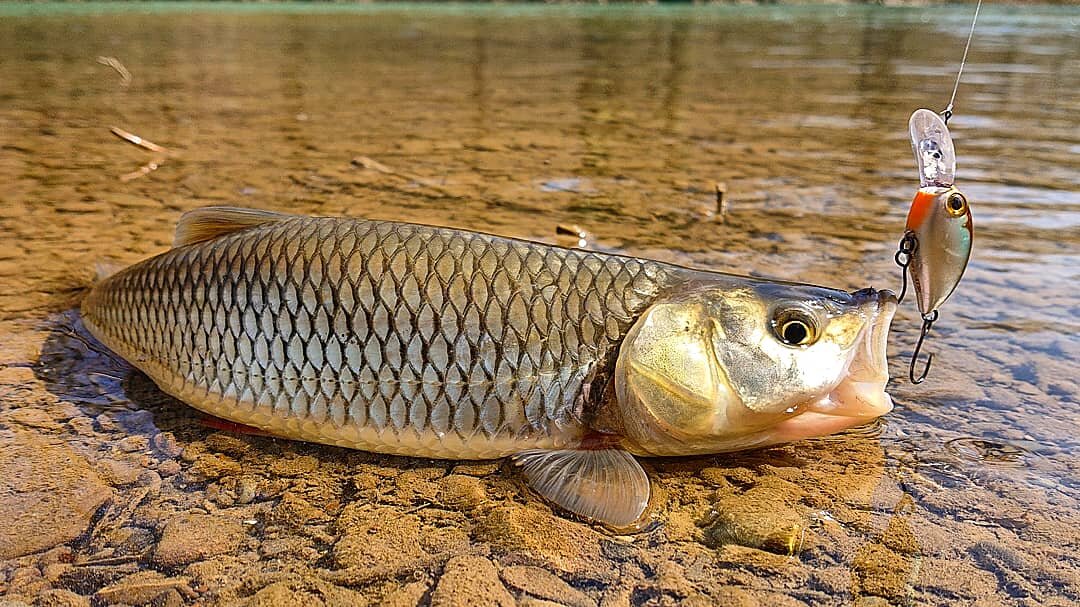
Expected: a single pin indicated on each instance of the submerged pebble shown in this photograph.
(191, 537)
(543, 584)
(470, 581)
(767, 518)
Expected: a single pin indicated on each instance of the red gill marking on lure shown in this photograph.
(920, 209)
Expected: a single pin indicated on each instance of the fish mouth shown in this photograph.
(860, 397)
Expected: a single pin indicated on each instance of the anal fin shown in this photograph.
(604, 485)
(209, 223)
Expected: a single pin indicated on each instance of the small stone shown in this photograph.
(26, 581)
(735, 597)
(294, 466)
(169, 598)
(565, 546)
(881, 572)
(754, 559)
(60, 554)
(139, 421)
(469, 581)
(151, 479)
(192, 452)
(168, 468)
(16, 375)
(461, 492)
(408, 595)
(306, 593)
(82, 425)
(212, 466)
(55, 571)
(133, 540)
(60, 598)
(31, 418)
(478, 468)
(141, 588)
(715, 476)
(164, 443)
(54, 490)
(545, 585)
(191, 537)
(763, 517)
(681, 527)
(229, 444)
(106, 423)
(131, 444)
(390, 539)
(295, 510)
(246, 490)
(119, 473)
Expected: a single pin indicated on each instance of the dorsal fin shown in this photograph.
(208, 223)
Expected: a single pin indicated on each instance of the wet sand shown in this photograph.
(514, 121)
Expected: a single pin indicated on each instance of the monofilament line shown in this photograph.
(949, 108)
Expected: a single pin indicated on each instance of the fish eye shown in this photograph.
(795, 328)
(956, 205)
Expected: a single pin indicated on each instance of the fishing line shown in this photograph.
(949, 108)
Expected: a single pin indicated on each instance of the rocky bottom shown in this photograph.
(114, 494)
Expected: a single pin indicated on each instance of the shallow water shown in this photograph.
(514, 121)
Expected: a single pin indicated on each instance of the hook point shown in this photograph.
(928, 322)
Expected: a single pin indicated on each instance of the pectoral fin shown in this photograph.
(211, 222)
(605, 485)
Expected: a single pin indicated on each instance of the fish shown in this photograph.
(434, 342)
(940, 215)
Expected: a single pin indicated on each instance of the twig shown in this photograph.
(721, 204)
(375, 165)
(145, 169)
(113, 62)
(149, 167)
(139, 141)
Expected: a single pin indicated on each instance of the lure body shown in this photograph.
(940, 217)
(940, 220)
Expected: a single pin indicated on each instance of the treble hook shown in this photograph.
(927, 322)
(908, 245)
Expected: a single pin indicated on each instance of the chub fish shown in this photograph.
(434, 342)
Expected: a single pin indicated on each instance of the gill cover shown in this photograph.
(668, 374)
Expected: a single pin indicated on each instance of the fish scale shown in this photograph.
(382, 336)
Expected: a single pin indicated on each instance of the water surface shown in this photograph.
(514, 121)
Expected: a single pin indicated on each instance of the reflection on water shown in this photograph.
(517, 120)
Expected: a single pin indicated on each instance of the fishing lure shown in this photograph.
(937, 240)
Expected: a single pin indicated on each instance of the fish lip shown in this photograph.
(861, 394)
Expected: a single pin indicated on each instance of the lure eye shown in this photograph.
(795, 328)
(956, 205)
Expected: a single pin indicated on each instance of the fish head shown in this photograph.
(743, 364)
